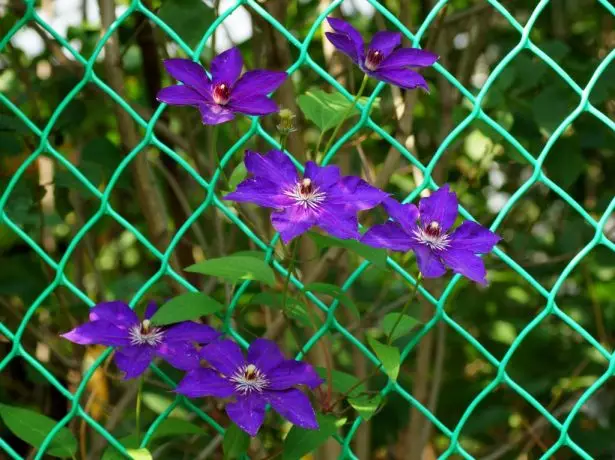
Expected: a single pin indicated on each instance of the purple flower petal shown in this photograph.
(133, 360)
(337, 221)
(292, 222)
(357, 53)
(225, 356)
(181, 355)
(290, 373)
(150, 310)
(261, 192)
(118, 313)
(98, 332)
(213, 114)
(323, 177)
(257, 82)
(204, 382)
(344, 44)
(226, 67)
(385, 42)
(180, 95)
(474, 237)
(440, 207)
(248, 413)
(254, 105)
(265, 355)
(405, 214)
(294, 406)
(429, 263)
(190, 331)
(466, 263)
(357, 194)
(275, 166)
(389, 236)
(189, 73)
(404, 78)
(408, 57)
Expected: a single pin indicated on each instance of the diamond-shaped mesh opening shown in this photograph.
(513, 83)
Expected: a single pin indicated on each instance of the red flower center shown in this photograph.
(221, 93)
(433, 229)
(373, 59)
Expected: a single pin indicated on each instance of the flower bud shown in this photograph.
(287, 122)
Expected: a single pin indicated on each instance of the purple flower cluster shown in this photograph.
(263, 377)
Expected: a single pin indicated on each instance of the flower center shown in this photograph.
(221, 93)
(143, 334)
(373, 59)
(305, 194)
(249, 378)
(432, 236)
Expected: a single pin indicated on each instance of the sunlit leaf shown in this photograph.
(326, 110)
(236, 268)
(406, 324)
(185, 307)
(366, 405)
(388, 355)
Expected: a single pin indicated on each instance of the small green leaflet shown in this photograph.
(33, 428)
(140, 454)
(191, 17)
(326, 110)
(185, 307)
(235, 268)
(388, 355)
(376, 256)
(335, 292)
(238, 174)
(295, 309)
(342, 382)
(158, 404)
(300, 441)
(236, 442)
(366, 405)
(406, 324)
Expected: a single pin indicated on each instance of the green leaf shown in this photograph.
(33, 428)
(326, 110)
(189, 18)
(186, 307)
(300, 441)
(335, 292)
(406, 324)
(550, 107)
(295, 309)
(11, 123)
(374, 255)
(158, 404)
(236, 268)
(343, 383)
(140, 454)
(236, 442)
(388, 355)
(103, 153)
(366, 405)
(238, 175)
(10, 143)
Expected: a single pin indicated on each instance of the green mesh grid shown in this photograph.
(331, 324)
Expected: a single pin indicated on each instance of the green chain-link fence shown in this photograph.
(536, 159)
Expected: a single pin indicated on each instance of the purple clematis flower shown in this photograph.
(265, 377)
(218, 98)
(383, 59)
(115, 324)
(322, 197)
(427, 231)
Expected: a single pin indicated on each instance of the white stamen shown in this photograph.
(143, 334)
(432, 237)
(249, 378)
(306, 195)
